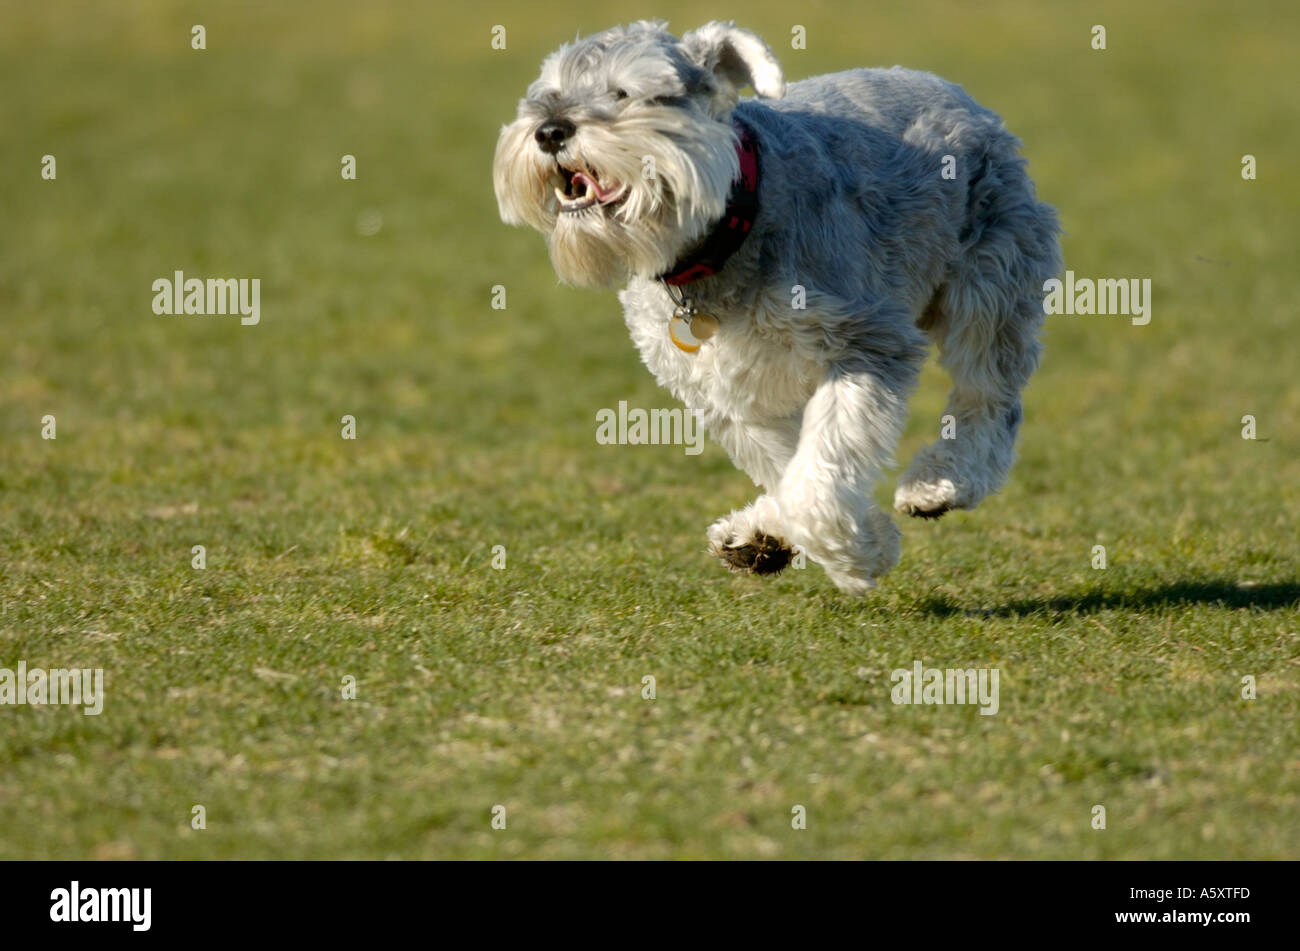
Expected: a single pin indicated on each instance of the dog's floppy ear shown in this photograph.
(736, 58)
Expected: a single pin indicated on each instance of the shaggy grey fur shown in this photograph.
(856, 220)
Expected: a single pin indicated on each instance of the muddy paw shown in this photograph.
(761, 555)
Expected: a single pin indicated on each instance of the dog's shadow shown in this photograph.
(1222, 593)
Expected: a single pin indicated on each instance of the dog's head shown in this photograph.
(623, 152)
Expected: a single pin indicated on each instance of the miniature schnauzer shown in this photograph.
(786, 259)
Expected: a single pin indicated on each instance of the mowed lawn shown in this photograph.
(522, 687)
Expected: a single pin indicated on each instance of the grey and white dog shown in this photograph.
(786, 259)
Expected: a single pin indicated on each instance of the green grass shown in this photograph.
(372, 558)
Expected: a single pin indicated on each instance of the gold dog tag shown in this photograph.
(689, 330)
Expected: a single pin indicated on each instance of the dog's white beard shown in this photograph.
(596, 248)
(692, 166)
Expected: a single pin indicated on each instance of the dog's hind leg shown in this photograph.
(988, 366)
(985, 320)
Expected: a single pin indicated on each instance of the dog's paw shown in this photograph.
(739, 543)
(758, 555)
(933, 485)
(949, 475)
(926, 499)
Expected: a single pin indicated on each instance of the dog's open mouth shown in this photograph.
(581, 188)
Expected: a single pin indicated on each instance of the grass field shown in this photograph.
(372, 558)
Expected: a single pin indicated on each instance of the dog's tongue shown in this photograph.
(602, 194)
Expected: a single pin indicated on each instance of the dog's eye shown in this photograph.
(620, 93)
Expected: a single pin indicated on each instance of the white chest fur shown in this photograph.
(748, 379)
(748, 371)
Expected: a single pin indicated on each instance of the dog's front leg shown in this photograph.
(850, 428)
(751, 540)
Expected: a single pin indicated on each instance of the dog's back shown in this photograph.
(891, 100)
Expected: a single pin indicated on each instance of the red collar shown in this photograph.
(730, 232)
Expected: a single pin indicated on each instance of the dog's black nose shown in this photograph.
(550, 135)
